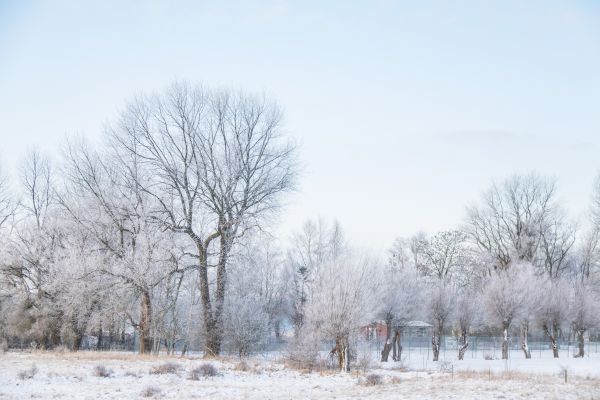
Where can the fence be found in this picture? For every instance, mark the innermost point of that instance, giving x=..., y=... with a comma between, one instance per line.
x=485, y=347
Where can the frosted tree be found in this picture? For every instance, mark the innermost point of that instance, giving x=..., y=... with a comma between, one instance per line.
x=553, y=298
x=104, y=197
x=405, y=252
x=317, y=243
x=33, y=250
x=466, y=315
x=341, y=302
x=256, y=290
x=505, y=297
x=441, y=298
x=583, y=312
x=398, y=301
x=217, y=164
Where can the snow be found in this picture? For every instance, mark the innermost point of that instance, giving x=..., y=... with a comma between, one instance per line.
x=71, y=376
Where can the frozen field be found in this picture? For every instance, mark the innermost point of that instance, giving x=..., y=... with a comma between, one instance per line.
x=73, y=376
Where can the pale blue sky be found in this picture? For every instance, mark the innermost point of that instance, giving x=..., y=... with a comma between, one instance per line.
x=405, y=110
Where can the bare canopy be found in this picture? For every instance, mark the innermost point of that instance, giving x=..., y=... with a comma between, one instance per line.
x=218, y=164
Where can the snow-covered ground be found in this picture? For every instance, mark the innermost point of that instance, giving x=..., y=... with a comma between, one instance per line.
x=72, y=376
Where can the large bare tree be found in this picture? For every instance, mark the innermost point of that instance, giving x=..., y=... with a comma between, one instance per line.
x=218, y=164
x=507, y=224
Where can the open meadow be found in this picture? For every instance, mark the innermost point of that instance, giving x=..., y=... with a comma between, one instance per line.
x=114, y=375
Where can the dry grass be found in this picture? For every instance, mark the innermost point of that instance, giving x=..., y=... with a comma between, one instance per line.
x=102, y=372
x=165, y=368
x=496, y=376
x=28, y=373
x=242, y=366
x=151, y=391
x=372, y=380
x=205, y=370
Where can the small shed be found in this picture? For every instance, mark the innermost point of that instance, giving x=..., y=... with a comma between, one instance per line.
x=416, y=329
x=378, y=330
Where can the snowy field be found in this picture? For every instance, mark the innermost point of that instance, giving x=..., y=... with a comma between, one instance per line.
x=40, y=375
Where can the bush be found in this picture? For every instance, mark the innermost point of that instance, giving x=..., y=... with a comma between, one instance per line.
x=373, y=380
x=242, y=366
x=303, y=352
x=364, y=360
x=151, y=391
x=203, y=371
x=166, y=368
x=102, y=372
x=28, y=373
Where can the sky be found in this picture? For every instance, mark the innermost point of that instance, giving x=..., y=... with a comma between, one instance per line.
x=404, y=111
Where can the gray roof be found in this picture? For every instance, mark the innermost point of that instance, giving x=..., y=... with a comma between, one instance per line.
x=416, y=324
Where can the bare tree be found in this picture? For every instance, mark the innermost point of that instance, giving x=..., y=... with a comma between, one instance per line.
x=218, y=165
x=445, y=256
x=557, y=238
x=507, y=224
x=7, y=203
x=585, y=259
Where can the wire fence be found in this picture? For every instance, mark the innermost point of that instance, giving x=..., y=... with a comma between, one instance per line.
x=489, y=347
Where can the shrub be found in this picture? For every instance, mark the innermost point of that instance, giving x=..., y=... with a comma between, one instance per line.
x=102, y=372
x=303, y=352
x=488, y=357
x=373, y=380
x=151, y=391
x=242, y=366
x=364, y=360
x=28, y=373
x=165, y=368
x=203, y=371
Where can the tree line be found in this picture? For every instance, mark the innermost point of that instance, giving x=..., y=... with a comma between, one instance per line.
x=163, y=229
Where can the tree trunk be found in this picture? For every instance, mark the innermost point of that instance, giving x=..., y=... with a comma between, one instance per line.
x=213, y=318
x=77, y=340
x=388, y=345
x=435, y=344
x=397, y=355
x=505, y=341
x=277, y=329
x=342, y=351
x=464, y=343
x=553, y=336
x=145, y=343
x=555, y=340
x=580, y=342
x=211, y=344
x=524, y=339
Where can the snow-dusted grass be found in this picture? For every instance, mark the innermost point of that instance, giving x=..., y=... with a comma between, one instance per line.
x=71, y=375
